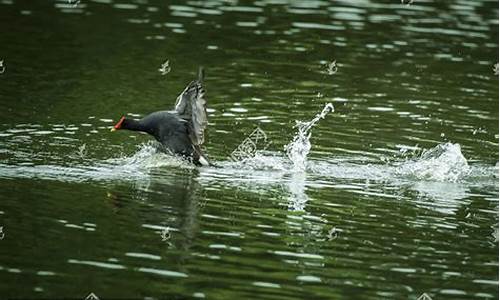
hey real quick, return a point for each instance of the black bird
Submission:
(180, 131)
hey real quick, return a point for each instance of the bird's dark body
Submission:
(168, 129)
(180, 131)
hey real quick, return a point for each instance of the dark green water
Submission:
(399, 196)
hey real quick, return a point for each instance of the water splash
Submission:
(298, 149)
(445, 162)
(149, 156)
(135, 167)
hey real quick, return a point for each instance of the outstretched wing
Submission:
(191, 106)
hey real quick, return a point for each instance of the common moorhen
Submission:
(180, 131)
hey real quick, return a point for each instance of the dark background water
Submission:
(82, 209)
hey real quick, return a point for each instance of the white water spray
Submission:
(445, 162)
(298, 149)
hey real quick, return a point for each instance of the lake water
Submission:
(394, 194)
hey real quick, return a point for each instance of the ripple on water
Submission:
(96, 264)
(238, 109)
(177, 13)
(304, 25)
(266, 284)
(45, 273)
(308, 278)
(161, 272)
(143, 255)
(126, 6)
(301, 255)
(106, 120)
(382, 109)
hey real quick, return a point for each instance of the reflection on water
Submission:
(298, 197)
(393, 195)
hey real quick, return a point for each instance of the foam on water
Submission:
(445, 162)
(147, 157)
(134, 167)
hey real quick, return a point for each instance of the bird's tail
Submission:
(204, 161)
(199, 158)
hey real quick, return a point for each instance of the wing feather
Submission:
(191, 106)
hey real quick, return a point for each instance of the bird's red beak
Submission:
(118, 125)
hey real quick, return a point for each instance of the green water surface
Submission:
(85, 210)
